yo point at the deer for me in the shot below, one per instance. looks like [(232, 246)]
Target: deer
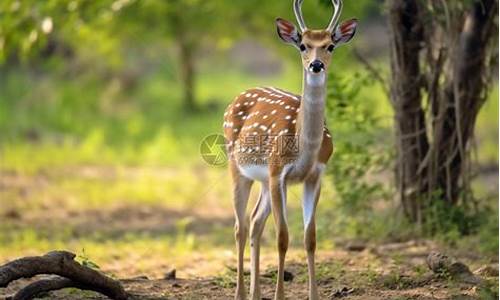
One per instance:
[(279, 138)]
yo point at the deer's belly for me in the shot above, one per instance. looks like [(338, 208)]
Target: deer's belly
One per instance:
[(261, 172), (255, 172)]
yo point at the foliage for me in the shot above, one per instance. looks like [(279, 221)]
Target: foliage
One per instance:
[(359, 153), (453, 220), (27, 28), (86, 261), (356, 132), (463, 224), (31, 31)]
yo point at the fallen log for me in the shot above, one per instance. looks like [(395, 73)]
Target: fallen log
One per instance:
[(60, 263)]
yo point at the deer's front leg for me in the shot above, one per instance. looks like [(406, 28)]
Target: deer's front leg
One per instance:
[(259, 216), (277, 186), (312, 188)]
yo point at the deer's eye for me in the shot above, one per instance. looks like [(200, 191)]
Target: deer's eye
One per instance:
[(330, 48), (302, 47)]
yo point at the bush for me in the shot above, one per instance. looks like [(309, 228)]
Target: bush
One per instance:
[(360, 154)]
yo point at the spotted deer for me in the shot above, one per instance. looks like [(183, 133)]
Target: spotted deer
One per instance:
[(279, 138)]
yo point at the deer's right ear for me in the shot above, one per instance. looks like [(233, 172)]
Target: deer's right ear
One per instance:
[(288, 32)]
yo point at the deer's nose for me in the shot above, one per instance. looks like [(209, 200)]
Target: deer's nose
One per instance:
[(316, 66)]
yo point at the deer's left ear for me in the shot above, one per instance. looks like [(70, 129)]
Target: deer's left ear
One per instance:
[(344, 32), (288, 32)]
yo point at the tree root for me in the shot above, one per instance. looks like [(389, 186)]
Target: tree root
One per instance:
[(60, 263), (46, 285)]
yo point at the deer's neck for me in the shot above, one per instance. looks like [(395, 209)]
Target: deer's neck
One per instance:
[(310, 121)]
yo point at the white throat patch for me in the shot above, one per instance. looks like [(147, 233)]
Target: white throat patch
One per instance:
[(315, 80)]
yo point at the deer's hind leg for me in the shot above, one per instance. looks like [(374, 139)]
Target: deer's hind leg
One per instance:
[(241, 192), (259, 216), (277, 190)]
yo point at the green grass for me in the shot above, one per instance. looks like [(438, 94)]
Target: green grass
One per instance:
[(152, 254), (176, 188)]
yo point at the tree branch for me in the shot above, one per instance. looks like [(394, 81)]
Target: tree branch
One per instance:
[(373, 71)]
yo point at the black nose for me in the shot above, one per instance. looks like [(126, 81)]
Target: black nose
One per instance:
[(317, 66)]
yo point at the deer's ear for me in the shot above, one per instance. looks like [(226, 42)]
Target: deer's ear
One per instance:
[(288, 32), (344, 32)]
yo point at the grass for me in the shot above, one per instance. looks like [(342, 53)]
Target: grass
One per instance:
[(131, 255)]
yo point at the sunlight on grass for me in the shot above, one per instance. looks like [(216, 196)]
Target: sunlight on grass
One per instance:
[(131, 255), (98, 187)]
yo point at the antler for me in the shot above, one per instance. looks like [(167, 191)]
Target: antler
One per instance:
[(337, 10), (297, 4)]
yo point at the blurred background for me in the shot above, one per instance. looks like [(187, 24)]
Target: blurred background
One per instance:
[(104, 104)]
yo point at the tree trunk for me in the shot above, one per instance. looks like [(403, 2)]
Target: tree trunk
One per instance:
[(406, 98), (464, 95), (187, 70), (179, 27), (447, 62)]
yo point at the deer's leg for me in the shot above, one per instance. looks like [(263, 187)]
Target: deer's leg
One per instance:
[(259, 216), (241, 192), (312, 187), (277, 186)]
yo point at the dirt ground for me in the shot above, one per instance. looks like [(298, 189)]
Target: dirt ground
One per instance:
[(391, 271), (137, 237)]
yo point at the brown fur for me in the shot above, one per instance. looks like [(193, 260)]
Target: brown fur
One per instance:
[(248, 109)]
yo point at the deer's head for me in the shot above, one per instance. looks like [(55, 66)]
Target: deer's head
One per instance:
[(316, 46)]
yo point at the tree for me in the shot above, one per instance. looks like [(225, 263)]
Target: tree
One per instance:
[(189, 26), (442, 53)]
